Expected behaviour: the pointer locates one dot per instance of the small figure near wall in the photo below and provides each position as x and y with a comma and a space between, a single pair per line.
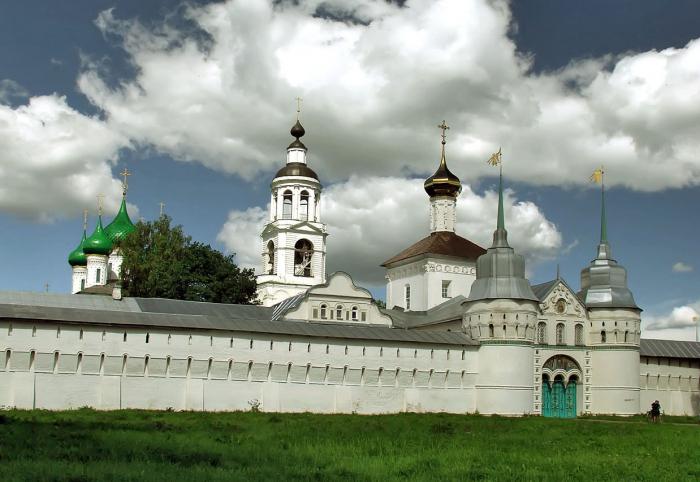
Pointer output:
655, 412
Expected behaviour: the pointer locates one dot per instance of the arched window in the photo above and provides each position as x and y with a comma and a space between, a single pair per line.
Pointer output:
354, 313
491, 333
407, 296
303, 251
339, 312
561, 338
542, 333
324, 310
287, 205
304, 206
579, 334
271, 257
626, 336
603, 338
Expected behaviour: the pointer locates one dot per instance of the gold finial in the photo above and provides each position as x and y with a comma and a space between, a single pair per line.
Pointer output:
496, 158
299, 101
85, 214
125, 185
100, 197
162, 208
597, 176
444, 128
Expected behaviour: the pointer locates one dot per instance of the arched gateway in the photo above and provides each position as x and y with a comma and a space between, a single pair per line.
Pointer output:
560, 378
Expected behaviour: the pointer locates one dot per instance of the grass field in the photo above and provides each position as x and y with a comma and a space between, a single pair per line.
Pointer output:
170, 446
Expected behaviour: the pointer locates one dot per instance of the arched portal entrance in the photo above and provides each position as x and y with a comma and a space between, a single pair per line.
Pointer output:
560, 379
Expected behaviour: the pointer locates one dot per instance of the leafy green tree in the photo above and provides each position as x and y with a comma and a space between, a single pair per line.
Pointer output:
160, 261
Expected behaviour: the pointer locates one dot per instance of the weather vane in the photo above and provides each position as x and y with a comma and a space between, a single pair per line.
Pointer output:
125, 185
496, 158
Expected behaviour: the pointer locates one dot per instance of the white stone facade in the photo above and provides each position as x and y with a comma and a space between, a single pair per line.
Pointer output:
443, 213
79, 279
114, 264
97, 266
428, 279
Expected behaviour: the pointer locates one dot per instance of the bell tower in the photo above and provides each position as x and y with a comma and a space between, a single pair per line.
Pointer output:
294, 239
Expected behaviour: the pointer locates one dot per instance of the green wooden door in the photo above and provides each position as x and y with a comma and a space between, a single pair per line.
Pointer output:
570, 400
546, 400
558, 399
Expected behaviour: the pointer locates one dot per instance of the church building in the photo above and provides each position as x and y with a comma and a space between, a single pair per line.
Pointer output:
463, 331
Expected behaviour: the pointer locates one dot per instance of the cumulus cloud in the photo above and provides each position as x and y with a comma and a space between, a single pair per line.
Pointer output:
679, 317
11, 90
54, 160
377, 76
371, 219
681, 267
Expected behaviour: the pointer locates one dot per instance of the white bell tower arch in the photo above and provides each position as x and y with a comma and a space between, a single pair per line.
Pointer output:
294, 239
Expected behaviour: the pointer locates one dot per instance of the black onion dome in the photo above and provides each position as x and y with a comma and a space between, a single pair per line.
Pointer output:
297, 131
296, 169
443, 182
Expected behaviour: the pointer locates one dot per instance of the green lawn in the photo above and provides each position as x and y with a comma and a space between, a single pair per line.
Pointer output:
143, 445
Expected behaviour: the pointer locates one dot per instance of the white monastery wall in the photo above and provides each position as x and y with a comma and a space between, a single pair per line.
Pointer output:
60, 366
674, 382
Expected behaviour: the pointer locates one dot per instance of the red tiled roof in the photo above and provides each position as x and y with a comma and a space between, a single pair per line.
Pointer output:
442, 242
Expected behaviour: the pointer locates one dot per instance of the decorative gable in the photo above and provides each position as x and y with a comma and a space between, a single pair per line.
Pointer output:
561, 300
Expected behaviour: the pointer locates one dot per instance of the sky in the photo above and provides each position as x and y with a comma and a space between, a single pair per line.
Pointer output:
197, 100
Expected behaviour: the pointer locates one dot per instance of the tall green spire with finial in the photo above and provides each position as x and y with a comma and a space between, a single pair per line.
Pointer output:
501, 224
500, 236
603, 220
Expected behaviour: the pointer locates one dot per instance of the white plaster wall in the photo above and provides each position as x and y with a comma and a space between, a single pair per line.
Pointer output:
59, 366
460, 274
410, 274
504, 381
674, 382
615, 381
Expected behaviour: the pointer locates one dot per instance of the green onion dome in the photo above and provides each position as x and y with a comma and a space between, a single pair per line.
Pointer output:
98, 242
77, 256
121, 225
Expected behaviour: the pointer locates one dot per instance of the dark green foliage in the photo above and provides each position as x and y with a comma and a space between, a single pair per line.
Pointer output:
160, 261
172, 446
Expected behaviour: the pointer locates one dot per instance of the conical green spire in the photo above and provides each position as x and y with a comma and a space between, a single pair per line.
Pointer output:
121, 225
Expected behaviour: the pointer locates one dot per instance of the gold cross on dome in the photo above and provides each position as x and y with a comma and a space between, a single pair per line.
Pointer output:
125, 174
444, 128
162, 207
299, 101
85, 214
100, 197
